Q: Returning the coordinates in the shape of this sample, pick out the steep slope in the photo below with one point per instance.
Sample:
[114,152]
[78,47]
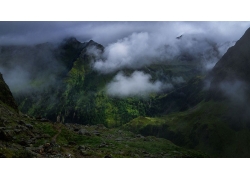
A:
[219,125]
[233,67]
[79,93]
[23,136]
[204,127]
[6,96]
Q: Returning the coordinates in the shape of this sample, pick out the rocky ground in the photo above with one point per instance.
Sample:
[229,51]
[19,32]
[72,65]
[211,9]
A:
[24,136]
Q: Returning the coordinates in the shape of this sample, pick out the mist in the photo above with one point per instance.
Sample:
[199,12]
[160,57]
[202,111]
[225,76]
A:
[150,47]
[127,45]
[29,68]
[137,84]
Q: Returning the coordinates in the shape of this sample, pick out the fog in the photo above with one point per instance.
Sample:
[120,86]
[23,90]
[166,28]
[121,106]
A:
[137,84]
[127,45]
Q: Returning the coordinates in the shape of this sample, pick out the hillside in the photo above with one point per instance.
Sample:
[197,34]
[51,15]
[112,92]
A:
[232,70]
[23,136]
[219,123]
[184,104]
[77,93]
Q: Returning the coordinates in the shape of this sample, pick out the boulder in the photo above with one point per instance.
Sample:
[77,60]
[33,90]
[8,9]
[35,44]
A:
[84,132]
[6,135]
[81,147]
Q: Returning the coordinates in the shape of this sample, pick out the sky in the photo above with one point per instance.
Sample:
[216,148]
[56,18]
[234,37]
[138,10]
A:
[106,32]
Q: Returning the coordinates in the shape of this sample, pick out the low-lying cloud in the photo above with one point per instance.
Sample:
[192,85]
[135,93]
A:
[178,80]
[27,68]
[142,49]
[235,91]
[137,84]
[133,51]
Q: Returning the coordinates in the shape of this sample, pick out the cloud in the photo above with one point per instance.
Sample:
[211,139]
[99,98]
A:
[128,44]
[141,49]
[235,91]
[23,67]
[178,80]
[109,32]
[133,51]
[137,84]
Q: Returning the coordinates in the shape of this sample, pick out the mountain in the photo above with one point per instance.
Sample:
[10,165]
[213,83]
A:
[218,121]
[24,136]
[232,67]
[74,92]
[203,110]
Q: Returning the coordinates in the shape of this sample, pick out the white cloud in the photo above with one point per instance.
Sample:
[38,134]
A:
[138,84]
[178,80]
[133,51]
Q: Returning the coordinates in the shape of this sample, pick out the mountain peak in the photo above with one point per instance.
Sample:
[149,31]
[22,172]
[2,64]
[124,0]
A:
[71,41]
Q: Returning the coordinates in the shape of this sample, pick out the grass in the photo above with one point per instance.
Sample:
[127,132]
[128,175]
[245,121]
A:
[203,127]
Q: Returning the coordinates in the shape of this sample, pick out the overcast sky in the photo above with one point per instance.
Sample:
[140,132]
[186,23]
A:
[109,32]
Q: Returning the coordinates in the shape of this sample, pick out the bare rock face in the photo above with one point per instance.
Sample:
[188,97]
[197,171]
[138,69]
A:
[5,94]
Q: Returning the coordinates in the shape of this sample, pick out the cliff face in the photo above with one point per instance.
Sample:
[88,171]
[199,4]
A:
[6,95]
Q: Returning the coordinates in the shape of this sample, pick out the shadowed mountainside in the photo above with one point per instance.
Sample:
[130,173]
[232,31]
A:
[23,136]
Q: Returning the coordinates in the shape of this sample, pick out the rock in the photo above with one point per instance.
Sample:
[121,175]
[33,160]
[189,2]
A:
[53,143]
[108,156]
[6,135]
[69,155]
[81,147]
[29,126]
[2,155]
[42,119]
[96,133]
[25,115]
[31,152]
[76,128]
[21,122]
[72,143]
[17,131]
[23,142]
[119,139]
[100,126]
[119,131]
[84,132]
[140,136]
[23,128]
[103,145]
[45,136]
[46,145]
[85,153]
